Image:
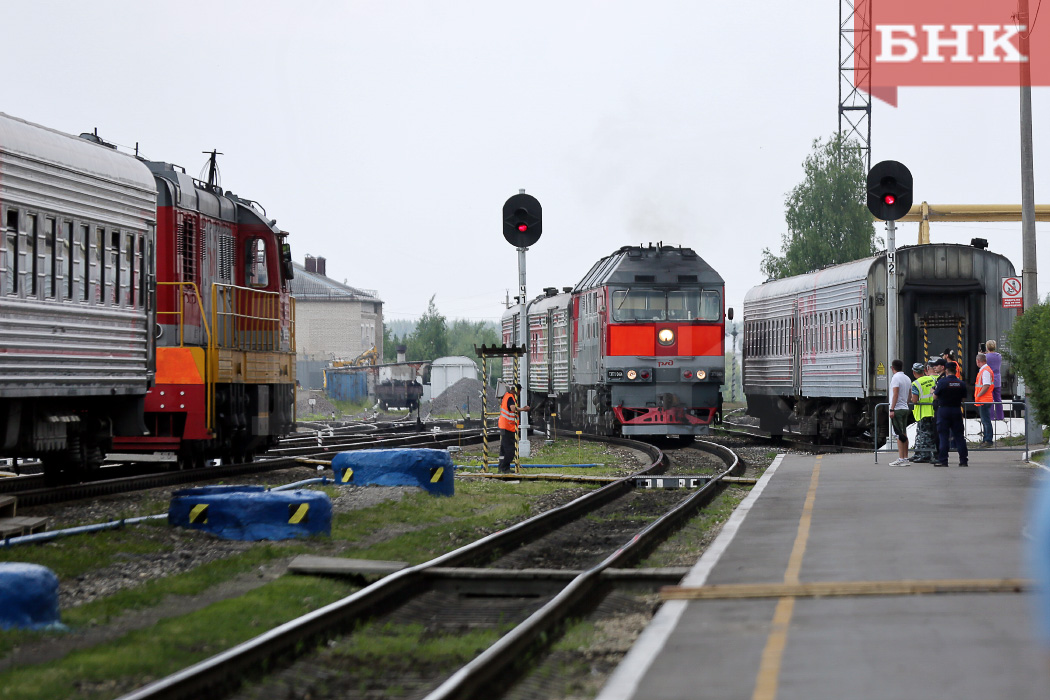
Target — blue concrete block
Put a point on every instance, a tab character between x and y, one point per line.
251	512
28	597
426	468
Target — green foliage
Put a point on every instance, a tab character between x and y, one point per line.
827	217
1029	353
430	341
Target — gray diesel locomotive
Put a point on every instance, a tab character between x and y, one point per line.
814	344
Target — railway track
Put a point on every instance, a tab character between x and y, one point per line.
507	575
32	491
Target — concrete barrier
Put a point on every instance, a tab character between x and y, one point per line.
251	512
28	597
426	468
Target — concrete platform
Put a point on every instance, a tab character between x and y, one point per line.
844	519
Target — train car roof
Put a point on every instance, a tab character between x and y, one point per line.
827	277
49	147
658	265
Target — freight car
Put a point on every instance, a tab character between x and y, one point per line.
140	310
637	347
814	344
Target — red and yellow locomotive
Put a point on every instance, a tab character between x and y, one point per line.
637	347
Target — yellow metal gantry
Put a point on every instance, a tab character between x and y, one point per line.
924	213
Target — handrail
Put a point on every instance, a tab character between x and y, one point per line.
1013	404
255	327
209	380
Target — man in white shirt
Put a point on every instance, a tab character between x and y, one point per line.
900	387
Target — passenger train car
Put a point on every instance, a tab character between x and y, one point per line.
814	345
140	310
637	347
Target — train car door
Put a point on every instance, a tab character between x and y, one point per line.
796	349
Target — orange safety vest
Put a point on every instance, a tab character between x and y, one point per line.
977	387
508	419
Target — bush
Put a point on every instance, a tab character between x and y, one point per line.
1029	352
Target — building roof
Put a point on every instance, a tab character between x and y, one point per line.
313	286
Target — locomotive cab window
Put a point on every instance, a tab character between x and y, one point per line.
255	263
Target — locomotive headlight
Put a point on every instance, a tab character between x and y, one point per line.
665	336
701	374
631	374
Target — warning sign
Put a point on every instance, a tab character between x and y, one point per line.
1012	298
881	369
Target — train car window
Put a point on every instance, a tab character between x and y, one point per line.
33	246
47	258
68	255
140	287
99	260
639	305
11	253
255	260
127	272
117	266
84	274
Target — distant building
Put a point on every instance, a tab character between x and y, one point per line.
333	321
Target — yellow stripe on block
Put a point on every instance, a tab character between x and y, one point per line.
297	513
435	474
348	474
199	513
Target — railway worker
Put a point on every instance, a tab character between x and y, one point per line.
900	388
921	398
995	362
982	396
950	357
508	426
951	392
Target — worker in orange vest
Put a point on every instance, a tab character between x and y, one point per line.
508	426
982	396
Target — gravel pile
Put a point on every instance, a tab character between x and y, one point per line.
463	396
321	404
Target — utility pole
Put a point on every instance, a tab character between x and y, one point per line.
1029	286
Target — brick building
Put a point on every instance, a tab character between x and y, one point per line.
333	321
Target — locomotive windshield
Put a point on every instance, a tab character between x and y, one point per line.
636	304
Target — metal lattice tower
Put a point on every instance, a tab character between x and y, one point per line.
855	39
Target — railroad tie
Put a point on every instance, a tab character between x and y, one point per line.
844	588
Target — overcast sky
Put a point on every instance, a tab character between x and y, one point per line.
386	135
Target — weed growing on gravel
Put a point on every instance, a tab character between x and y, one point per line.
71	556
686	546
117	667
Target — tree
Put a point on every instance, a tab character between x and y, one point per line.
827	216
430	340
1029	352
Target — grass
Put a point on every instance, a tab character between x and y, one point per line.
564	451
685	546
140	656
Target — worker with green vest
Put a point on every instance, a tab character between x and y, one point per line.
921	398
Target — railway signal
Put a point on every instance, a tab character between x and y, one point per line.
522	220
889	190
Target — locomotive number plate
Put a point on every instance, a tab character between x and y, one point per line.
615	374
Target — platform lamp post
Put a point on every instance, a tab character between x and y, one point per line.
522	226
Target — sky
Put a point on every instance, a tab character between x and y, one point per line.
386	135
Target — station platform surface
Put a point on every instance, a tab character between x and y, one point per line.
846	518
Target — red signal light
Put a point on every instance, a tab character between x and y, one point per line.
523	227
889	199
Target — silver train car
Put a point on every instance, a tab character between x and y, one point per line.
814	344
76	304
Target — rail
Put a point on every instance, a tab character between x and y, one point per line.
966	404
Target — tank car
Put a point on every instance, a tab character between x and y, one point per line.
814	344
637	347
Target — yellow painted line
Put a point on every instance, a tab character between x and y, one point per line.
297	516
773	655
199	513
437	475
